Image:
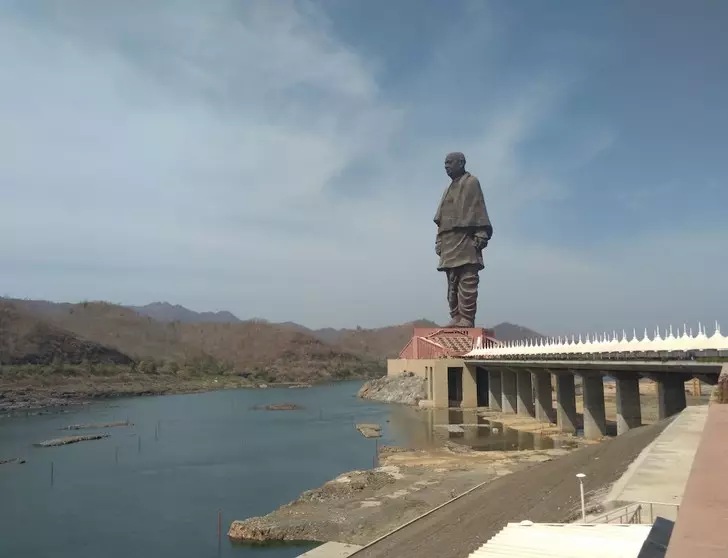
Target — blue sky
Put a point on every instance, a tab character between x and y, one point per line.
284	159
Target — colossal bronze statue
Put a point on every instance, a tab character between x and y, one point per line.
463	231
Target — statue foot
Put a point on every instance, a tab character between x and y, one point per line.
454	322
461	322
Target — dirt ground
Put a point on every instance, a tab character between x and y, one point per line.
547	492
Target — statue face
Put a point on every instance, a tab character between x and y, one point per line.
454	165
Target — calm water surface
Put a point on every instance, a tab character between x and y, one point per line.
154	489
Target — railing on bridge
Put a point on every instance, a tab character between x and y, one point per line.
684	345
637	513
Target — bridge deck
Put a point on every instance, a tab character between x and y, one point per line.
636	366
543	493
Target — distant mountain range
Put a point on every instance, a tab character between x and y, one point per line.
166	312
160	331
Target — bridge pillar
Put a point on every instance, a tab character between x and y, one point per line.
566	403
508	383
525	392
495	390
670	394
629	413
544	398
595	418
470	387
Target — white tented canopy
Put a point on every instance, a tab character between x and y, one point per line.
565	540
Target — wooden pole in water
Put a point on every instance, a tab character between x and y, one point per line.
219	527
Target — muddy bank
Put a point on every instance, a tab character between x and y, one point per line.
97	425
18	460
406	388
359	506
369	430
278	407
70	440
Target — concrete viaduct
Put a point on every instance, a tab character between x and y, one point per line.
519	376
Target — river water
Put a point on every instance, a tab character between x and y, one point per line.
155	488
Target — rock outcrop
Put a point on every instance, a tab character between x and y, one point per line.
406	388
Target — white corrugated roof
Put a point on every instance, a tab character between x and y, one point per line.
565	540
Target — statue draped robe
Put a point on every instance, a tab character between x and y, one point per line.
462	219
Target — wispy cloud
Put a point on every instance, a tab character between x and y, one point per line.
245	156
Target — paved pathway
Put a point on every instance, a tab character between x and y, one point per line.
331	550
701	530
661	472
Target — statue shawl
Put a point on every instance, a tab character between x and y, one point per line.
463	206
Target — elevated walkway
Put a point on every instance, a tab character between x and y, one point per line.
658	477
331	550
701	530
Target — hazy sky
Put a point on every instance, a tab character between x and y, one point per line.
284	159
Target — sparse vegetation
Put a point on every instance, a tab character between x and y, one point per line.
59	352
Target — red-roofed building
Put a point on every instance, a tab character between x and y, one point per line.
436	355
445	342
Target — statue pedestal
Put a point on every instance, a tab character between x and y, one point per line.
441	342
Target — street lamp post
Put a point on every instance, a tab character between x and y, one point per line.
581	476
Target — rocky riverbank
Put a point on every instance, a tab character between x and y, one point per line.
359	506
70	440
406	388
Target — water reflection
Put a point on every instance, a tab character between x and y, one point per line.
427	428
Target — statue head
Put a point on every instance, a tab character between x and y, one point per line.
455	164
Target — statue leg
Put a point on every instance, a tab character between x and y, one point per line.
468	295
452	294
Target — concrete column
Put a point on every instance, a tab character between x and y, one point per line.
439	383
495	391
566	403
508	398
525	392
595	419
670	394
470	387
629	413
544	399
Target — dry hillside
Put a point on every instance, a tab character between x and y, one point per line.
378	343
282	353
272	352
116	326
26	339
